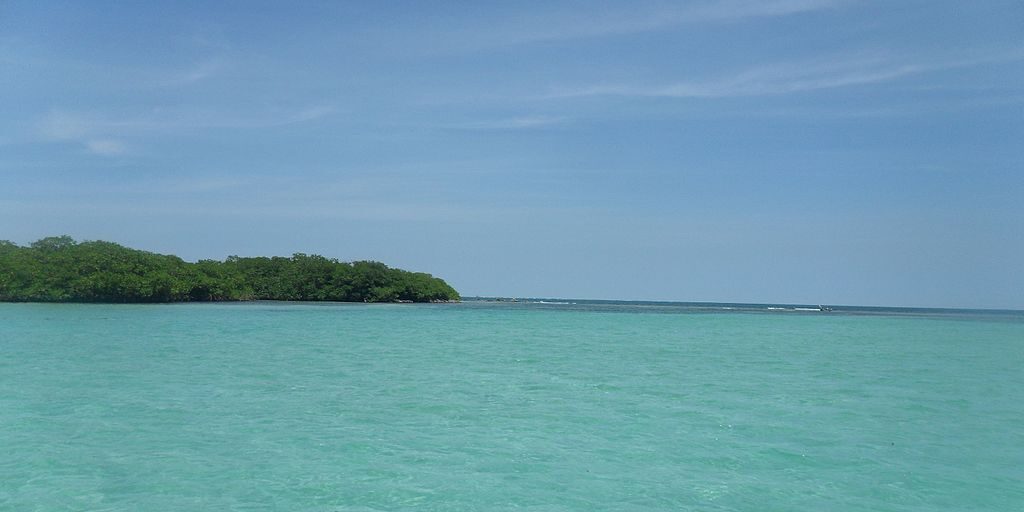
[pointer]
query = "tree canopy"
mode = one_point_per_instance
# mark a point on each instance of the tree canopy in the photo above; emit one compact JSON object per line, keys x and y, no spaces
{"x":59,"y":269}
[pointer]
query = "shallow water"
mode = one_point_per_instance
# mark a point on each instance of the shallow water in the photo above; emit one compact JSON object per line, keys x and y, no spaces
{"x":495,"y":406}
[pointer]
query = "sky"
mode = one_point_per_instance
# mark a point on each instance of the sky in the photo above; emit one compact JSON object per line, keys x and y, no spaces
{"x":782,"y":151}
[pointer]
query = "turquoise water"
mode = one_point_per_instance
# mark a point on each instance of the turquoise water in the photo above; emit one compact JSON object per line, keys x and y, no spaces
{"x":491,"y":406}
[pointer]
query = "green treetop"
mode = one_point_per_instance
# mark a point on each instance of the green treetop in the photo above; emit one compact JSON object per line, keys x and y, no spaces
{"x":58,"y":269}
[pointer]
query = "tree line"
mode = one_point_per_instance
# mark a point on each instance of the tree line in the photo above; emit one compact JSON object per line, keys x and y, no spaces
{"x":59,"y":269}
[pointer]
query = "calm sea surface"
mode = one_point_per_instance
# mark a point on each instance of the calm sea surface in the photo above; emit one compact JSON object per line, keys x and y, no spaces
{"x":499,"y":406}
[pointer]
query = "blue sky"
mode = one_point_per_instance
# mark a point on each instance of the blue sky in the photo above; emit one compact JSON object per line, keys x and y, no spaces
{"x":809,"y":151}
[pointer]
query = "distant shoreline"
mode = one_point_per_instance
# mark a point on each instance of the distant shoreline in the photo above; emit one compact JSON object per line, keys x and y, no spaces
{"x":630,"y":307}
{"x":740,"y":306}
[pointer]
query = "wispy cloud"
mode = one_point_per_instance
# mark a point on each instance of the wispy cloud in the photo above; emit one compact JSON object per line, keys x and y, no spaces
{"x":786,"y":78}
{"x":94,"y":138}
{"x":103,"y":134}
{"x":923,"y":107}
{"x":59,"y":125}
{"x":307,"y":114}
{"x":515,"y":123}
{"x":638,"y":17}
{"x":191,"y":75}
{"x":740,"y":9}
{"x":105,"y":147}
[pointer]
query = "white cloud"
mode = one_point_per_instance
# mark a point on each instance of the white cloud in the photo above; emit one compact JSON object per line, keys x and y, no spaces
{"x":58,"y":125}
{"x":309,"y":114}
{"x":637,"y":17}
{"x":64,"y":126}
{"x":105,"y":147}
{"x":103,"y":134}
{"x":786,"y":78}
{"x":196,"y":73}
{"x":740,"y":9}
{"x":515,"y":123}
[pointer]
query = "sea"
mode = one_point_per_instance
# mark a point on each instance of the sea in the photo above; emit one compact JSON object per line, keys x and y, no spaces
{"x":538,"y":405}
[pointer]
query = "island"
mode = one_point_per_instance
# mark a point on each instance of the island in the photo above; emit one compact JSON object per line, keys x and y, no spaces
{"x":59,"y":269}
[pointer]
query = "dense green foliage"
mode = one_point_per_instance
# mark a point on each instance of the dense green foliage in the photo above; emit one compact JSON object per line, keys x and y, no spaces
{"x":58,"y":269}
